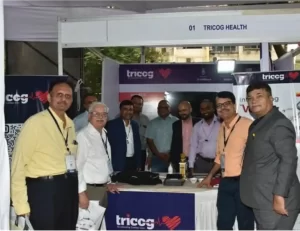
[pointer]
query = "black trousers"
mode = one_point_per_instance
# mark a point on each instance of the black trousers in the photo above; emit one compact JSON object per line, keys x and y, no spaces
{"x":130,"y":164}
{"x":230,"y":206}
{"x":53,"y":202}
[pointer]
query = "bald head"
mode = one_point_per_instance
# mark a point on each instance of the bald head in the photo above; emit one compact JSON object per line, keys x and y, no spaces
{"x":185,"y":110}
{"x":163,"y":108}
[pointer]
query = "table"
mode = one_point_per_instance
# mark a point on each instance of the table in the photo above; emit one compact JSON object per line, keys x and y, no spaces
{"x":162,"y":207}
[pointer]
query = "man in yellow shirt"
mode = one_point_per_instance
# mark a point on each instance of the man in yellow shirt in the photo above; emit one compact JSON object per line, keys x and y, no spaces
{"x":44,"y":183}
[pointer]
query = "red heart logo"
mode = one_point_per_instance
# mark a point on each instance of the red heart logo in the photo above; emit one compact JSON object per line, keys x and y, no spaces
{"x":165,"y":72}
{"x":171,"y":223}
{"x":293,"y":75}
{"x":42,"y":96}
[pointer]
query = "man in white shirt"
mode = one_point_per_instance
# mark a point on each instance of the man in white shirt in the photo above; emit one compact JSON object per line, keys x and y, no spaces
{"x":93,"y":158}
{"x":81,"y":120}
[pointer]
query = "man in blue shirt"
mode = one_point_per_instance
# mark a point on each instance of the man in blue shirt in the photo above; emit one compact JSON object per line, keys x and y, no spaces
{"x":81,"y":120}
{"x":159,"y":137}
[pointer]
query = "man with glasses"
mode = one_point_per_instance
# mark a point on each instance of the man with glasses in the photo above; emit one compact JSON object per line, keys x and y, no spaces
{"x":44,"y":183}
{"x":124,"y":138}
{"x":229,"y":157}
{"x":93,"y":158}
{"x":81,"y":120}
{"x":159,"y":137}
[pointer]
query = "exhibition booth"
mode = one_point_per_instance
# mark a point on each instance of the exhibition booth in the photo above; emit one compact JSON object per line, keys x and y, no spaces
{"x":186,"y":207}
{"x":194,"y":208}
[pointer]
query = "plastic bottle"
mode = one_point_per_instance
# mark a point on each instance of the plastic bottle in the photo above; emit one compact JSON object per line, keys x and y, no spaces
{"x":170,"y":169}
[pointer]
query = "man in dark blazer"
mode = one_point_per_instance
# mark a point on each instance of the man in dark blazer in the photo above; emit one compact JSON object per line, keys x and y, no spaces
{"x":268,"y":182}
{"x":123,"y":136}
{"x":180,"y":145}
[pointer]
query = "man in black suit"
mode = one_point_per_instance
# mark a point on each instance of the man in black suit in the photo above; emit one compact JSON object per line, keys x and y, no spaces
{"x":124,"y":138}
{"x":269,"y":183}
{"x":182,"y":131}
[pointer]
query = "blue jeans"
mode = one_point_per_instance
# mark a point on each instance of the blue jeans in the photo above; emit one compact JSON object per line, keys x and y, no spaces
{"x":159,"y":165}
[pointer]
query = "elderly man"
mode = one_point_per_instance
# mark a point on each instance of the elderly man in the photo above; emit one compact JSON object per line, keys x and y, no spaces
{"x":93,"y":158}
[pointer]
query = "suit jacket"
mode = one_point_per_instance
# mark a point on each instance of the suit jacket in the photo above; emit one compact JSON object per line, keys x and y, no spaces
{"x":270,"y":163}
{"x":117,"y":138}
{"x":176,"y":145}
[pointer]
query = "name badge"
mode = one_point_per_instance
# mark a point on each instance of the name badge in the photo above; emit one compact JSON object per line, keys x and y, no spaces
{"x":222,"y":161}
{"x":70,"y":163}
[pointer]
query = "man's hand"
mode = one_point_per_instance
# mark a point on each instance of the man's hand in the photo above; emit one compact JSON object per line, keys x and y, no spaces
{"x":205,"y":182}
{"x":164,"y":156}
{"x":279,"y":205}
{"x":112,"y":188}
{"x":83,"y":200}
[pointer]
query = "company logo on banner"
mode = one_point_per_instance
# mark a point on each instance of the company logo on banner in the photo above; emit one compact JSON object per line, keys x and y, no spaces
{"x":124,"y":213}
{"x":176,"y":73}
{"x":25,"y":96}
{"x":128,"y":222}
{"x":285,"y":87}
{"x":269,"y":77}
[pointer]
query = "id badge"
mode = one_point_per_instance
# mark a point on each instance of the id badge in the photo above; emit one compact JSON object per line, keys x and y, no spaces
{"x":70,"y":163}
{"x":110,"y":168}
{"x":222,"y":161}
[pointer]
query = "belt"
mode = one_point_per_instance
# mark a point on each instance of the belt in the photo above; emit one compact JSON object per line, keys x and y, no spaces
{"x":48,"y":178}
{"x":232,"y":178}
{"x":96,"y":185}
{"x":206,"y":159}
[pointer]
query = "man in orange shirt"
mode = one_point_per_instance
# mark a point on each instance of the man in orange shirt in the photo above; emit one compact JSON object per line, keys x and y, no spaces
{"x":229,"y":156}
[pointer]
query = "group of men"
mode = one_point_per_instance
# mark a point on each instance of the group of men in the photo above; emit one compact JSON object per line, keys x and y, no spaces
{"x":54,"y":169}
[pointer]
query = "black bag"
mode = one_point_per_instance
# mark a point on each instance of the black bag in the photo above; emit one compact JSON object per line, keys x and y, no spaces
{"x":137,"y":178}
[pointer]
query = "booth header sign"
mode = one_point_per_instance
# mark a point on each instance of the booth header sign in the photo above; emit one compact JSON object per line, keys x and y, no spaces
{"x":218,"y":27}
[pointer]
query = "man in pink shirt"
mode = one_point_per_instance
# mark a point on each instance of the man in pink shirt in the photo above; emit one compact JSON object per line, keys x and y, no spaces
{"x":182,"y":132}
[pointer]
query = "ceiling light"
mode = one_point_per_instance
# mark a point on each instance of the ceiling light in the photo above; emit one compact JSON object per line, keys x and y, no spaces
{"x":225,"y":66}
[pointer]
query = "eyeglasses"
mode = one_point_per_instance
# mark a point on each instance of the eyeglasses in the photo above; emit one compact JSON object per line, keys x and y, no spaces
{"x":99,"y":115}
{"x":225,"y":104}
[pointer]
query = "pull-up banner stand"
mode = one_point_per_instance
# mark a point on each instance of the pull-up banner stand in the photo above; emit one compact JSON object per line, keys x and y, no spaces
{"x":285,"y":87}
{"x":24,"y":97}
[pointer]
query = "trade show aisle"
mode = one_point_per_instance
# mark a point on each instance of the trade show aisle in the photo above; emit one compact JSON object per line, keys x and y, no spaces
{"x":162,"y":207}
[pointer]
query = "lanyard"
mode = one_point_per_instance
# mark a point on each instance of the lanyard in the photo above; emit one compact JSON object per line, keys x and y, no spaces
{"x":65,"y":139}
{"x":226,"y":140}
{"x":104,"y":144}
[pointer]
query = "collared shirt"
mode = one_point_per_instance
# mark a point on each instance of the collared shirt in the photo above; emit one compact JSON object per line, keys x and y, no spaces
{"x":204,"y":140}
{"x":187,"y":128}
{"x":92,"y":159}
{"x":40,"y":150}
{"x":160,"y":131}
{"x":81,"y":121}
{"x":143,"y":122}
{"x":129,"y":140}
{"x":236,"y":143}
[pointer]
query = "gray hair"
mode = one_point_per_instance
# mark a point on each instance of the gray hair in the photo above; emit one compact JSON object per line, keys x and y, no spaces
{"x":96,"y":104}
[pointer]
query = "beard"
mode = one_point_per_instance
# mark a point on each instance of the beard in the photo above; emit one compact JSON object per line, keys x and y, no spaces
{"x":184,"y":117}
